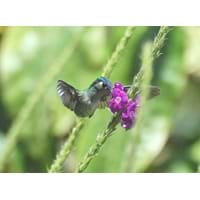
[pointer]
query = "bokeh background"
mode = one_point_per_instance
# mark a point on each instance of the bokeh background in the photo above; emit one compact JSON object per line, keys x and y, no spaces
{"x":170,"y":133}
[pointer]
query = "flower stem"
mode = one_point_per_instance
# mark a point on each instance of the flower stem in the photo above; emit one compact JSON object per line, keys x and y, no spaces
{"x":65,"y":150}
{"x":156,"y":48}
{"x":150,"y":53}
{"x":146,"y":78}
{"x":142,"y":79}
{"x":117,"y":53}
{"x":100,"y":140}
{"x":15,"y":130}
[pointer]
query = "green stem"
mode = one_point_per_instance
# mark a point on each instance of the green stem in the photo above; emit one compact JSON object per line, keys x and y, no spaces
{"x":65,"y":150}
{"x":143,"y":79}
{"x":148,"y":57}
{"x":15,"y":130}
{"x":100,"y":140}
{"x":156,"y":48}
{"x":117,"y":53}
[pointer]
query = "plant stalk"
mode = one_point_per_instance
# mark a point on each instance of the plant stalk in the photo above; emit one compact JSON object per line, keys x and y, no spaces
{"x":150,"y":53}
{"x":111,"y":63}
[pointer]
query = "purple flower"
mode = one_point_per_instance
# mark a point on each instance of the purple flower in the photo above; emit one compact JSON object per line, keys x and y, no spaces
{"x":119,"y":102}
{"x":129,"y":114}
{"x":119,"y":98}
{"x":119,"y":86}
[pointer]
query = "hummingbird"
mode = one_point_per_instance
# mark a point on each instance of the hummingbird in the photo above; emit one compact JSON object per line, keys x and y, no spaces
{"x":85,"y":102}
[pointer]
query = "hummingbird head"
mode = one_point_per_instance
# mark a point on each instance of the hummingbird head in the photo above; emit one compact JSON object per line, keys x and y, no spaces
{"x":102,"y":87}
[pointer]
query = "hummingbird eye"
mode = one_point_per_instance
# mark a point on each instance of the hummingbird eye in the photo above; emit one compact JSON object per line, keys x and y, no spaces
{"x":101,"y":85}
{"x":104,"y":85}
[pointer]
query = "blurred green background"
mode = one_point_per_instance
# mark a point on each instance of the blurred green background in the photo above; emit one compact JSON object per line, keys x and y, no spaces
{"x":170,"y":135}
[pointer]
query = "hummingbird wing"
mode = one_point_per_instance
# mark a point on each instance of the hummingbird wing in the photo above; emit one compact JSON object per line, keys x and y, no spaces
{"x":68,"y":94}
{"x":153,"y":91}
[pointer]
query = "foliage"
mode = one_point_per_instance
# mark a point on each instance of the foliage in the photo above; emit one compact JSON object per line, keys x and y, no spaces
{"x":169,"y":132}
